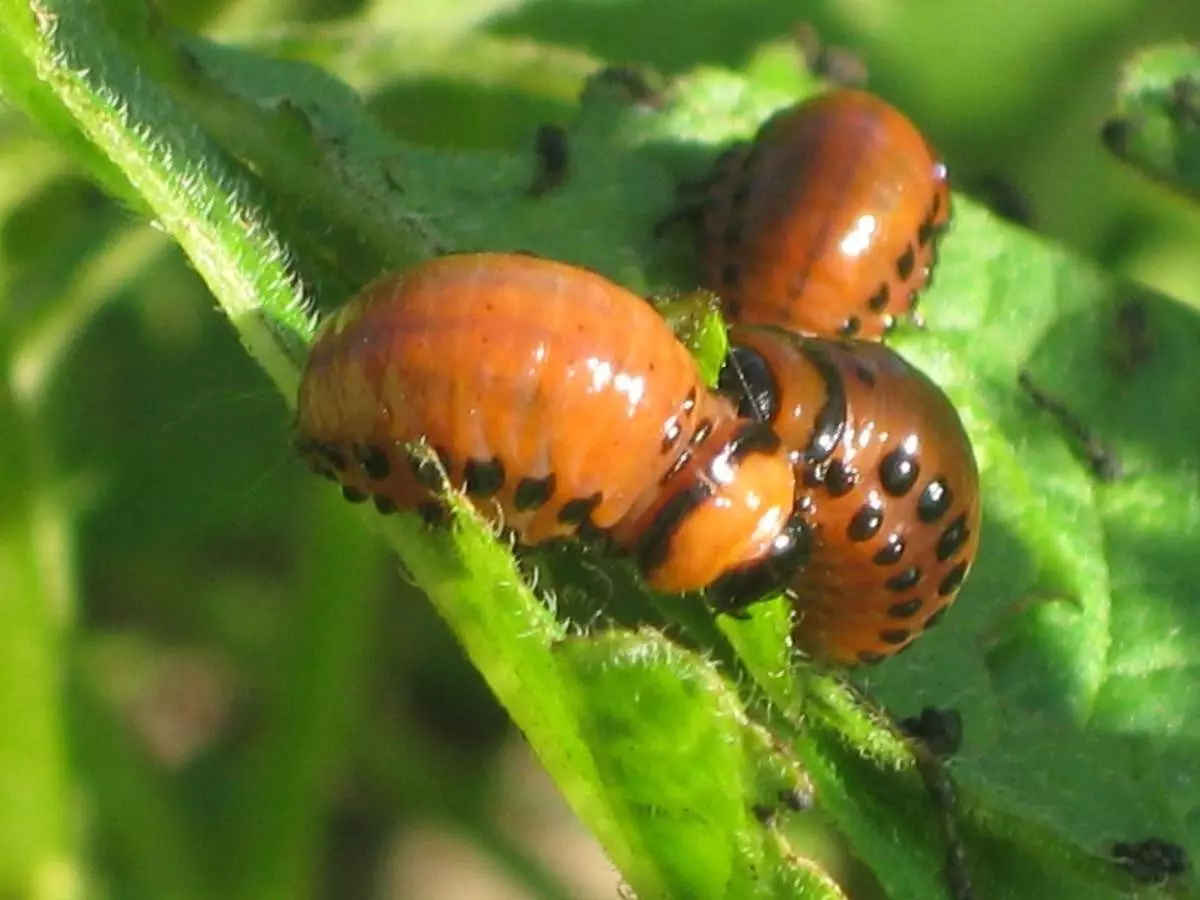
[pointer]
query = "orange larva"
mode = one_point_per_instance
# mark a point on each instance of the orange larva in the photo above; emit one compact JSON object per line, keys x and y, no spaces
{"x":827,"y":222}
{"x":886,"y":477}
{"x":559,"y":403}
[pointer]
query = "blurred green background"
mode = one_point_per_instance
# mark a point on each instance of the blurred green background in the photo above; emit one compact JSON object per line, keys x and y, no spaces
{"x":197,"y":558}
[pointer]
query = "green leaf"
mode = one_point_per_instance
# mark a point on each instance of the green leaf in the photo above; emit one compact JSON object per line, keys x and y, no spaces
{"x":684,"y":770}
{"x":1156,"y":127}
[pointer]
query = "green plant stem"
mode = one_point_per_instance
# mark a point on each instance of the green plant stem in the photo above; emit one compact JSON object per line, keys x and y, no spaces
{"x":290,"y":776}
{"x":36,"y":836}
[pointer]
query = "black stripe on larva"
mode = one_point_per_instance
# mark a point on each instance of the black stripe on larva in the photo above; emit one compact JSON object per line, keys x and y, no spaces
{"x":953,"y":580}
{"x":935,"y":208}
{"x":904,"y":581}
{"x":904,"y":265}
{"x":374,"y":462}
{"x":891,"y":552}
{"x":830,"y":422}
{"x":952,"y":539}
{"x":895,"y":636}
{"x":870,"y":657}
{"x":906,"y":609}
{"x":748,"y":379}
{"x":751,"y":437}
{"x":576,"y":512}
{"x":936,"y":618}
{"x":483,"y":477}
{"x":880,"y":299}
{"x":934,"y":500}
{"x":850,"y":327}
{"x":384,"y":505}
{"x":840,"y":479}
{"x":533,"y":493}
{"x":898,"y":472}
{"x":689,"y":402}
{"x":653,"y":547}
{"x":865,"y":523}
{"x":354,"y":495}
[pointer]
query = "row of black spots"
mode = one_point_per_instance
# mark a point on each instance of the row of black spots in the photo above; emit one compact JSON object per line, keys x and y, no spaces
{"x":1106,"y":466}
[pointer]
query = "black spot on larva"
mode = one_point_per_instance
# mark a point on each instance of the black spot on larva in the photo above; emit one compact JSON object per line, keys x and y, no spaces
{"x":384,"y":505}
{"x":865,"y":524}
{"x":813,"y":476}
{"x":483,"y":477}
{"x":934,"y":501}
{"x":730,"y":274}
{"x":689,"y":402}
{"x":327,"y":473}
{"x":895,"y":636}
{"x":576,"y":512}
{"x":851,"y":327}
{"x":904,"y":265}
{"x":870,"y":657}
{"x":927,"y":232}
{"x":840,"y":479}
{"x":703,"y":430}
{"x":891,"y":553}
{"x":936,"y":618}
{"x":904,"y":581}
{"x":906,"y":609}
{"x":354,"y":495}
{"x":434,"y":514}
{"x":952,"y":539}
{"x":935,"y":208}
{"x":334,"y":456}
{"x":898,"y":472}
{"x":953,"y":580}
{"x":374,"y":462}
{"x":880,"y":299}
{"x":532,"y":493}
